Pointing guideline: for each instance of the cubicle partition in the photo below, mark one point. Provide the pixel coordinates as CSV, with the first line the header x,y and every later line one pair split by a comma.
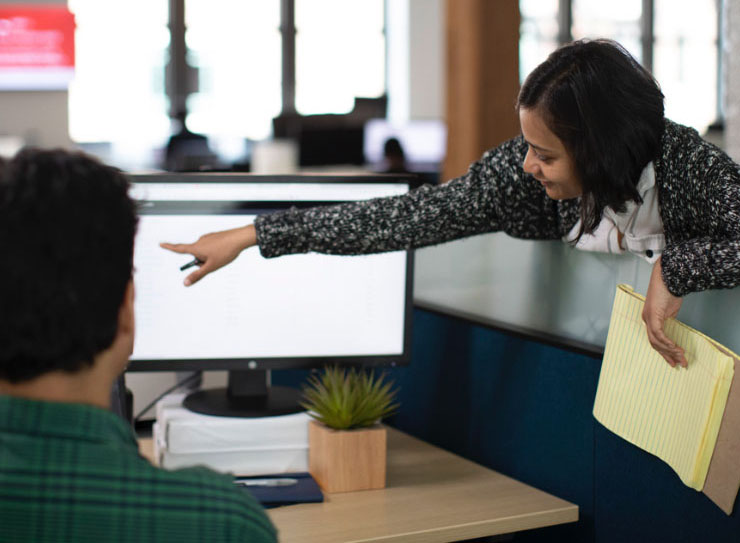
x,y
508,339
551,291
507,342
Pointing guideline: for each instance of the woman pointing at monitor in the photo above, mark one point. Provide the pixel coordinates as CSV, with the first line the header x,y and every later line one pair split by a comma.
x,y
597,165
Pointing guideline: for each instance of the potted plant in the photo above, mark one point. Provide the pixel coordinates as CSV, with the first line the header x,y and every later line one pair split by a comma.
x,y
346,443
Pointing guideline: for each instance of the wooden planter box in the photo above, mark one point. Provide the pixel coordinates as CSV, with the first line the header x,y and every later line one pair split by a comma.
x,y
347,460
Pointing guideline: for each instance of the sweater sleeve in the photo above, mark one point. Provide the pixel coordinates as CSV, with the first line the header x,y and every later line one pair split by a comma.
x,y
493,195
710,257
699,191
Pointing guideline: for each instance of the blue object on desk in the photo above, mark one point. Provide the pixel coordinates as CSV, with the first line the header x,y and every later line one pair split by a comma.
x,y
281,489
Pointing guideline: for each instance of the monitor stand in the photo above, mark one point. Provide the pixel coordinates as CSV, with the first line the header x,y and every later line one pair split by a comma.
x,y
248,394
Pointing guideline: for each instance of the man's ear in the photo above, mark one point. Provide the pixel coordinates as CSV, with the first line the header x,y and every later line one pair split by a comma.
x,y
126,321
115,358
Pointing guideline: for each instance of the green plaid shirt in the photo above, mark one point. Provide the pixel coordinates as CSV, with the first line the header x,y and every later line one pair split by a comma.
x,y
72,472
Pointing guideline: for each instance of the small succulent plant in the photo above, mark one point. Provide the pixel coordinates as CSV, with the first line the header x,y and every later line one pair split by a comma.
x,y
344,399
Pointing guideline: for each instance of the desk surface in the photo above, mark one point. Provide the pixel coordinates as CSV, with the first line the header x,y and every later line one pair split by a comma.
x,y
431,496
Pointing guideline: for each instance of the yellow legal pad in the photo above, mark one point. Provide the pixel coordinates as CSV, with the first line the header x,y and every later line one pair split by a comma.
x,y
673,413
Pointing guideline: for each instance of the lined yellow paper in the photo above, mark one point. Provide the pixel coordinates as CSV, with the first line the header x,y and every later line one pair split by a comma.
x,y
673,413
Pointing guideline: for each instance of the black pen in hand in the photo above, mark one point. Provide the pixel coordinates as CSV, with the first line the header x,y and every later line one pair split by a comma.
x,y
194,262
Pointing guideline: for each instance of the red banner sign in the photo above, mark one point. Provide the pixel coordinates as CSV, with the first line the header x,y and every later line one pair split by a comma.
x,y
37,47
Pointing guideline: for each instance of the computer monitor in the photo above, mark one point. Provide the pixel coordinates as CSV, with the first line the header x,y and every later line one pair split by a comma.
x,y
423,141
256,314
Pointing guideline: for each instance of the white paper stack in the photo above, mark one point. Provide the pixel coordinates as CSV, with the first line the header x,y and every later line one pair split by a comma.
x,y
242,446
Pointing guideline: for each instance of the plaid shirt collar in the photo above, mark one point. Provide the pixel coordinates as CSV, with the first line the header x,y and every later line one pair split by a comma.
x,y
63,420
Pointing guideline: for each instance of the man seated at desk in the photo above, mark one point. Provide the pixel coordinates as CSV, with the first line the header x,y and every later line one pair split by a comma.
x,y
69,468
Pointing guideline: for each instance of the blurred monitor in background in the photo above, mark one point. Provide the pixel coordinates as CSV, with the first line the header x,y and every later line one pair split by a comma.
x,y
423,145
325,144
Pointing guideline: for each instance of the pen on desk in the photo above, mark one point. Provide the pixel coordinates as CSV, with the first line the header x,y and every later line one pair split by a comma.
x,y
194,262
277,481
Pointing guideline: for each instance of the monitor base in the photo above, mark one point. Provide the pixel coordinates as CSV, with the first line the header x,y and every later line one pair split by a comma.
x,y
217,402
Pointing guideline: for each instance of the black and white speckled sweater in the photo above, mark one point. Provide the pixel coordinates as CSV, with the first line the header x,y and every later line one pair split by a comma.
x,y
699,197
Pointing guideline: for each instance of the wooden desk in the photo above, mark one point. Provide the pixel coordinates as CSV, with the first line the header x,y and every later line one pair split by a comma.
x,y
431,496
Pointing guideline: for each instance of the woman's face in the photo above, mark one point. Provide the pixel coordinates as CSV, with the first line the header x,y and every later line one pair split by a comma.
x,y
547,159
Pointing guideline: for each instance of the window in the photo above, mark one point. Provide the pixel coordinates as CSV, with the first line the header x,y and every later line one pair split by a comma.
x,y
684,35
237,51
686,59
340,54
539,33
618,21
117,94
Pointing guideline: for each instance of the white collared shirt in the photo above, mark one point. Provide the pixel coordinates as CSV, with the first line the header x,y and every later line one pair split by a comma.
x,y
641,225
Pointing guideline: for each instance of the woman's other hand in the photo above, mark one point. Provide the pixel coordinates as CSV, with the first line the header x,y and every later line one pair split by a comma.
x,y
660,305
215,250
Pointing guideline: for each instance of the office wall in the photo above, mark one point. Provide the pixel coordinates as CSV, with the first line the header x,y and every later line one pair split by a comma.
x,y
39,117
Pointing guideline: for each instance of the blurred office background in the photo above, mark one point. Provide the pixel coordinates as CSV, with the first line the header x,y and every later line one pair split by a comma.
x,y
297,85
323,84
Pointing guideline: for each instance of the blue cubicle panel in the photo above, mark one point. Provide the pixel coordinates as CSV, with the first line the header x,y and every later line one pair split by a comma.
x,y
515,406
522,403
638,497
550,288
524,409
530,395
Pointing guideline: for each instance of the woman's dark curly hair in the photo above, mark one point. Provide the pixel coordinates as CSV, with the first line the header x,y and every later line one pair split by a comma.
x,y
608,112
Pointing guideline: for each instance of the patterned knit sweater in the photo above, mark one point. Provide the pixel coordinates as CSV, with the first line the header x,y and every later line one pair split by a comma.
x,y
699,198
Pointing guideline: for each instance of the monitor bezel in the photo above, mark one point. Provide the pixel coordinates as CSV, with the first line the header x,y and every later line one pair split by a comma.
x,y
285,363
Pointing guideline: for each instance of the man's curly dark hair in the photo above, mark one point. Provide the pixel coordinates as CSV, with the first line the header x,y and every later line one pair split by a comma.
x,y
67,227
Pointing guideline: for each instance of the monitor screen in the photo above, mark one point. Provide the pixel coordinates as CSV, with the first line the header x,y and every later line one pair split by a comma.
x,y
423,141
295,311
